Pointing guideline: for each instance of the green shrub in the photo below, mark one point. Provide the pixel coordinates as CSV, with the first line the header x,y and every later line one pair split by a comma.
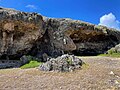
x,y
111,55
31,64
69,61
111,51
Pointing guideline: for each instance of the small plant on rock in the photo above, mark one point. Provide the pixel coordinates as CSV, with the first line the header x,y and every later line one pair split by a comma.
x,y
69,61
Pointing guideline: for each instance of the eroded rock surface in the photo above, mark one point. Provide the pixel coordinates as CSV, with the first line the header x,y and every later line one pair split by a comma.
x,y
18,32
24,33
80,38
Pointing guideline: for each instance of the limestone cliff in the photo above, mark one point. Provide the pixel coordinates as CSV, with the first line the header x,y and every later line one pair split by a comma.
x,y
30,33
18,32
80,38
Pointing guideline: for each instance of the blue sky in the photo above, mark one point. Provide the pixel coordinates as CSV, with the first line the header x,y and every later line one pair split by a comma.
x,y
103,12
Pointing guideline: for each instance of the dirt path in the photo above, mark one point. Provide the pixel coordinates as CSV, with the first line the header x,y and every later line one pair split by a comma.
x,y
102,73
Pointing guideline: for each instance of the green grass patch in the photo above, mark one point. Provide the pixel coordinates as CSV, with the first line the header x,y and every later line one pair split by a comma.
x,y
31,64
111,55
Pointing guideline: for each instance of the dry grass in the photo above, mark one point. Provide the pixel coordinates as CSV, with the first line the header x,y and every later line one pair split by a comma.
x,y
94,76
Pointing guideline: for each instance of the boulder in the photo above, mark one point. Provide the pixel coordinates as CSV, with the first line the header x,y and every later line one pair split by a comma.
x,y
117,48
62,63
25,59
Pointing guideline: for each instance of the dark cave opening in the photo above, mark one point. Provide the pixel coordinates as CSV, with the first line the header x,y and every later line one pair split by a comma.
x,y
10,57
85,53
3,57
109,41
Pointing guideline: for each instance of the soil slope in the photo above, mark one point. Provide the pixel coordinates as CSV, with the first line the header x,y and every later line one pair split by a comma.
x,y
95,76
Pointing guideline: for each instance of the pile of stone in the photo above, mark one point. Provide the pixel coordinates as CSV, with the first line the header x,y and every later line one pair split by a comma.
x,y
62,64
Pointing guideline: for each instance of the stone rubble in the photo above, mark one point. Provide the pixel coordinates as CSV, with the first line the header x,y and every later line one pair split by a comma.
x,y
62,64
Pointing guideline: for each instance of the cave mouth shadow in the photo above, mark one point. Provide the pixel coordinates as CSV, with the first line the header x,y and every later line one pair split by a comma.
x,y
10,57
84,53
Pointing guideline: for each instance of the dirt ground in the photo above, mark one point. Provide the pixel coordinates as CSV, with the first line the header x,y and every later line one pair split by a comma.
x,y
100,73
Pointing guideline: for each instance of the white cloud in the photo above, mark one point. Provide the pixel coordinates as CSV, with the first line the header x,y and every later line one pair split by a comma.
x,y
31,6
109,20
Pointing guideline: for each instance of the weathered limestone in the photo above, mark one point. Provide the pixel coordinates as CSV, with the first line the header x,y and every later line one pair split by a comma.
x,y
80,38
18,32
24,33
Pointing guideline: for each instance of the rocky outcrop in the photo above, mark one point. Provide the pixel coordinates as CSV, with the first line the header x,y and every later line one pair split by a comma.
x,y
62,64
24,33
80,38
18,32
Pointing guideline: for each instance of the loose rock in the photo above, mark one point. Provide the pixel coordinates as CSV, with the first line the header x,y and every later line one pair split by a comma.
x,y
62,63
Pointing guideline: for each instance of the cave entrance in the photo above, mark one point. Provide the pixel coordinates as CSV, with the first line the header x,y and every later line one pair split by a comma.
x,y
3,57
85,53
9,57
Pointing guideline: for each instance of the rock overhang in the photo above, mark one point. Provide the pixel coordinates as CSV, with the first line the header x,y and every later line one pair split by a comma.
x,y
21,32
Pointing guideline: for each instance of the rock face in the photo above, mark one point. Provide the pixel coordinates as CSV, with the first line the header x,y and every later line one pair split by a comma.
x,y
79,38
18,32
32,34
62,64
